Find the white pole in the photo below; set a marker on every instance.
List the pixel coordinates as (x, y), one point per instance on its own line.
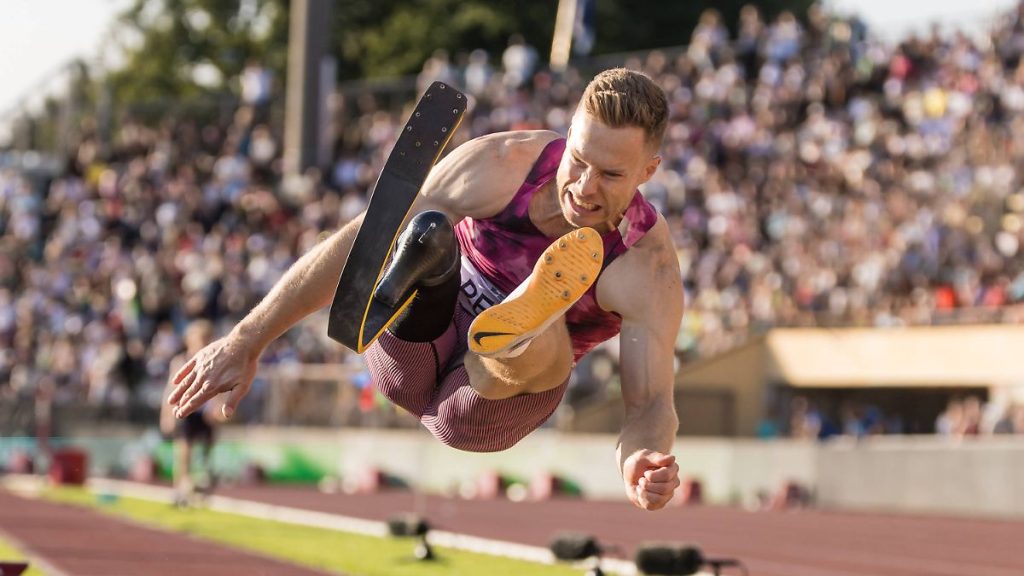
(561, 42)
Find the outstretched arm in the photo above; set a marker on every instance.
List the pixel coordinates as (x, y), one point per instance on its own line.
(306, 287)
(454, 186)
(230, 362)
(647, 365)
(649, 471)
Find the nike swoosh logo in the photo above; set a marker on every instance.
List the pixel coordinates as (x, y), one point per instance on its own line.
(481, 335)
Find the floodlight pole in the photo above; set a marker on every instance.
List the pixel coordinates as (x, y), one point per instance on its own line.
(308, 36)
(561, 41)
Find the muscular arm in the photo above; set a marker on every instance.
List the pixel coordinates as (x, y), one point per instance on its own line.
(650, 422)
(647, 391)
(647, 342)
(473, 180)
(306, 287)
(454, 187)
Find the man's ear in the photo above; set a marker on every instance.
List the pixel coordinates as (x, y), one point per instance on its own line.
(651, 168)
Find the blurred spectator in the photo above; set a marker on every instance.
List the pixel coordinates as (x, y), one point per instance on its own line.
(1011, 420)
(437, 68)
(805, 421)
(950, 420)
(478, 72)
(196, 431)
(1017, 418)
(962, 417)
(971, 423)
(812, 176)
(518, 62)
(255, 81)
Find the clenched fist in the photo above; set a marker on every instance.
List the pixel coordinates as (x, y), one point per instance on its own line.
(651, 478)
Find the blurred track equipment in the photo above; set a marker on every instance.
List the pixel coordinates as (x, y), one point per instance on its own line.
(356, 317)
(678, 560)
(546, 485)
(575, 546)
(690, 492)
(370, 480)
(791, 494)
(253, 474)
(411, 525)
(69, 466)
(488, 485)
(407, 525)
(423, 551)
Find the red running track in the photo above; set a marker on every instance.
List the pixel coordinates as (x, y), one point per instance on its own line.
(81, 542)
(76, 541)
(795, 543)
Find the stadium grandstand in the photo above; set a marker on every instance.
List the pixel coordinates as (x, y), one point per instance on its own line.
(847, 211)
(813, 176)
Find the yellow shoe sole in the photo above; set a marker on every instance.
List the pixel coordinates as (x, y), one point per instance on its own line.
(562, 275)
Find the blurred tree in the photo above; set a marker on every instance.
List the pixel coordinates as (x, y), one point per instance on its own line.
(644, 24)
(176, 49)
(183, 48)
(393, 37)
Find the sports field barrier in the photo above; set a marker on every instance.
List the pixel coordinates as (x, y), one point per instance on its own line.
(969, 477)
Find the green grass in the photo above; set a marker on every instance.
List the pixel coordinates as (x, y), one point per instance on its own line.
(314, 547)
(8, 553)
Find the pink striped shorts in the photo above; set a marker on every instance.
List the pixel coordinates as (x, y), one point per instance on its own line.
(430, 381)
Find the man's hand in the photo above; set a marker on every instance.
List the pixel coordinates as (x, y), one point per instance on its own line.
(651, 478)
(225, 365)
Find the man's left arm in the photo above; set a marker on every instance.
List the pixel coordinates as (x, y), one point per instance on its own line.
(647, 370)
(649, 471)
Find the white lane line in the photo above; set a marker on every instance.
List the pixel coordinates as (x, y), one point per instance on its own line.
(312, 518)
(27, 486)
(34, 559)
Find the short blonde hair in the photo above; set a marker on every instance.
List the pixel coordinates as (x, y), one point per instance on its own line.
(619, 98)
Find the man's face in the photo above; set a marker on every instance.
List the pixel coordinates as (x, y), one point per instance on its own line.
(600, 171)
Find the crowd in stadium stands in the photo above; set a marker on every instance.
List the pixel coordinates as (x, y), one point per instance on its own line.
(812, 175)
(963, 417)
(971, 417)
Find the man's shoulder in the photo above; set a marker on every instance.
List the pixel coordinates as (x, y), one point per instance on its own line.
(654, 248)
(486, 171)
(514, 147)
(651, 265)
